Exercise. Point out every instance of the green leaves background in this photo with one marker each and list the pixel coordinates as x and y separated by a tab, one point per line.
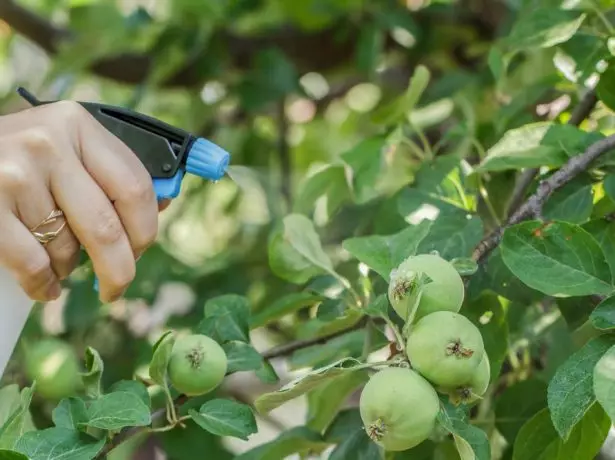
360	133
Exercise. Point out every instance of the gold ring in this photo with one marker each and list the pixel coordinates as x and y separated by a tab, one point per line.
47	237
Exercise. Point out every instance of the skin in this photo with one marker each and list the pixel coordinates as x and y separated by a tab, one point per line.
57	156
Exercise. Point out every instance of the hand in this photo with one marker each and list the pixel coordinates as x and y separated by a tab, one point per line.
58	157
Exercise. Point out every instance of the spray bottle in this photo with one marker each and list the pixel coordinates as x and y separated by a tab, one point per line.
167	152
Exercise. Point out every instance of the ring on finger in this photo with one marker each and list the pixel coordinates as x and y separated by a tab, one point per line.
46	237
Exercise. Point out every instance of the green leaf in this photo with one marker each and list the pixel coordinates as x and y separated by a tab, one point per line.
284	306
379	307
59	443
578	58
70	413
604	382
286	262
488	314
517	404
384	253
604	233
536	144
538	440
494	275
296	440
325	401
267	373
346	422
571	390
603	316
300	233
242	356
394	111
433	172
366	161
10	401
558	259
295	252
369	48
472	442
543	27
269	401
224	417
273	76
572	203
11	455
182	443
115	411
160	358
94	370
609	185
135	387
357	446
330	182
229	315
605	89
452	236
82	306
19	422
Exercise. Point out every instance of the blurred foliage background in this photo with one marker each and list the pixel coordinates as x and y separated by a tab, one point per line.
287	87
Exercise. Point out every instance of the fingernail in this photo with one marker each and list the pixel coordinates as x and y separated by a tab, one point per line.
115	297
55	290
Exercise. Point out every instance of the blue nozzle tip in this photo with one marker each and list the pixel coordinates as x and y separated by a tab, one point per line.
207	160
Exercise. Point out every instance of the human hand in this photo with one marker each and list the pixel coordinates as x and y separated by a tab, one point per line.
58	157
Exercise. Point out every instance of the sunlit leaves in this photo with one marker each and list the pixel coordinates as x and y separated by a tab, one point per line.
558	259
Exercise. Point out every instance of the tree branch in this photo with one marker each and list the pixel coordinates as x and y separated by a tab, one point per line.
289	348
276	352
580	113
532	208
305	48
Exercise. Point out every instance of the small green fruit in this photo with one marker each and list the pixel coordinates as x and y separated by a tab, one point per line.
475	388
445	291
197	365
445	348
54	365
398	408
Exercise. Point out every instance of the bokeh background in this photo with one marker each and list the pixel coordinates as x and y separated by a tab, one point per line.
286	86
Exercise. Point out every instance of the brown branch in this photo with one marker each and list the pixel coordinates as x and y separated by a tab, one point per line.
532	208
580	113
305	48
289	348
276	352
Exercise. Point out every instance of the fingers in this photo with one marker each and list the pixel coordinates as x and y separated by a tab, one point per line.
33	205
163	204
124	179
95	223
26	258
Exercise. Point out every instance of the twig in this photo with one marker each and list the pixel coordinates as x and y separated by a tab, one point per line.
157	417
580	113
533	206
283	350
288	348
305	48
